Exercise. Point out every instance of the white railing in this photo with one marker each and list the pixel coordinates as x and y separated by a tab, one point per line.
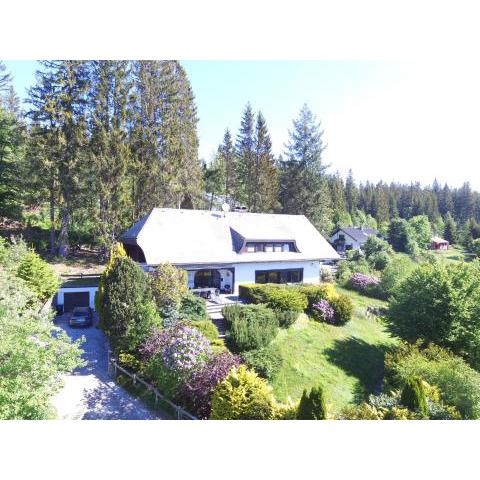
180	413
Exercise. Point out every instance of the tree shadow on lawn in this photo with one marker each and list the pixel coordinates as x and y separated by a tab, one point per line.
362	360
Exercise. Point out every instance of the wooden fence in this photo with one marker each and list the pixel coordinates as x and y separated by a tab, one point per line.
179	412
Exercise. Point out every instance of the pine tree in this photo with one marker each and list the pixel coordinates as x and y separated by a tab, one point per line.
264	186
109	149
227	162
312	406
5	79
214	178
303	184
413	396
450	231
245	151
351	193
59	100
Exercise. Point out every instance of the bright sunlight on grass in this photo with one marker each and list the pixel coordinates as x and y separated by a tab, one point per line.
347	361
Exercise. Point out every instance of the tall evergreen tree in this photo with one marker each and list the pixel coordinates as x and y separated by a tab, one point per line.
59	100
109	97
228	159
303	185
264	179
351	193
450	230
245	150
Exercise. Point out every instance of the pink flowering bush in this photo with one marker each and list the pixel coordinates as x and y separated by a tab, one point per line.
324	311
182	349
195	393
365	284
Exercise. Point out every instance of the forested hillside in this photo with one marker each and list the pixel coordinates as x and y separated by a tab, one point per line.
99	143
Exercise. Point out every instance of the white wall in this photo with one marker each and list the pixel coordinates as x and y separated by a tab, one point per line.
90	290
245	272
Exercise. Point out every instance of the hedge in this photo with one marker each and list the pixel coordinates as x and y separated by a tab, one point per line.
277	297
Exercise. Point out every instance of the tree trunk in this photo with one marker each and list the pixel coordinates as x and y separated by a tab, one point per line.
63	236
52	220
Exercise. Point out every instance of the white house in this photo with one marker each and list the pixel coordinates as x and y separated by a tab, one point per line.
351	238
225	249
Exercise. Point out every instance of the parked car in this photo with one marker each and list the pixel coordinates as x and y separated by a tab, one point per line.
81	317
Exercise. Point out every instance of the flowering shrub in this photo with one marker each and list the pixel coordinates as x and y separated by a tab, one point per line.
366	284
324	311
196	392
183	349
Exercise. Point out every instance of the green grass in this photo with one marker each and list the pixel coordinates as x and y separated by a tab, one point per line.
454	254
347	361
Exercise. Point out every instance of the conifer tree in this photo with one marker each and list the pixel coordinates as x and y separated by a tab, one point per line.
109	149
264	186
312	406
245	151
303	184
59	100
450	230
413	396
227	162
351	193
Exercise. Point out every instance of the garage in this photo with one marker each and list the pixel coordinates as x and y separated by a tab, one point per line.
75	299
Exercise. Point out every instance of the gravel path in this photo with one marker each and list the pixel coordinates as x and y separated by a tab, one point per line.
89	393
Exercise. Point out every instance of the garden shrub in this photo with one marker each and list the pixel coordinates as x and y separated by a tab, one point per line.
363	411
169	286
39	276
196	392
323	311
286	318
128	313
315	293
312	406
243	395
207	328
255	326
459	384
232	312
129	361
166	380
394	274
364	284
413	396
192	308
440	303
266	361
343	308
326	275
181	348
277	297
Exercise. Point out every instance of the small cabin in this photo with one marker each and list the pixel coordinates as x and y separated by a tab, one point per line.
439	244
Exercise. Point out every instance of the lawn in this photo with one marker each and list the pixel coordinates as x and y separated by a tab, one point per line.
347	361
454	254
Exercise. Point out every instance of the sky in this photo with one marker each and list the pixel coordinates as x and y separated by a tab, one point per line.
386	120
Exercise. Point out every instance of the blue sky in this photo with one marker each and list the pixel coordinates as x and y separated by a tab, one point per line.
403	121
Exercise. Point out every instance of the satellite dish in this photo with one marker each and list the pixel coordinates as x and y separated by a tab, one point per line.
225	207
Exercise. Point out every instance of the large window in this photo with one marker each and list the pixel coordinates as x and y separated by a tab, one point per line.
270	247
288	275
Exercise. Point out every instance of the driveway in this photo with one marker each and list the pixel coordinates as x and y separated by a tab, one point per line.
89	393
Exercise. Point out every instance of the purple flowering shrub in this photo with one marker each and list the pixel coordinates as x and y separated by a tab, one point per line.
324	311
195	393
181	348
366	284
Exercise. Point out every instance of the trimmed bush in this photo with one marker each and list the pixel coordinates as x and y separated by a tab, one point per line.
266	361
286	318
253	327
196	393
193	308
312	406
207	328
243	395
277	297
413	396
315	293
38	275
343	308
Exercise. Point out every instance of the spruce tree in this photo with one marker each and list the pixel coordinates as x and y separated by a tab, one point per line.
351	193
109	149
303	184
264	186
245	151
450	230
312	406
59	100
227	164
413	396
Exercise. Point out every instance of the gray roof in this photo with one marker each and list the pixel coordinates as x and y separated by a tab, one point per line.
203	236
359	234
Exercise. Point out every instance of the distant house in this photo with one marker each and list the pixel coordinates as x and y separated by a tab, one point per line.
225	249
351	238
439	244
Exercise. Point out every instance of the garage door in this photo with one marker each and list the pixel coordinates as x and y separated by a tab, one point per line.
75	299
